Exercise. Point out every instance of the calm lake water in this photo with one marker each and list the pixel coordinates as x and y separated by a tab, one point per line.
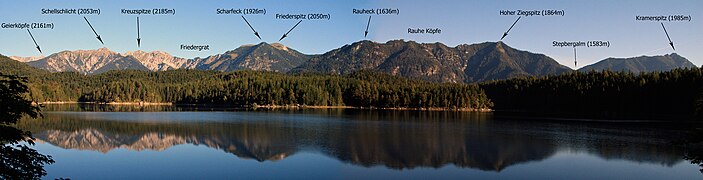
180	143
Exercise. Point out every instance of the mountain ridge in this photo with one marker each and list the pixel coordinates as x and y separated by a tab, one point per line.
87	61
641	63
26	59
159	60
435	62
263	56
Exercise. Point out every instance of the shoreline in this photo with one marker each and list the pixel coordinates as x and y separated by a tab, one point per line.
268	106
374	108
107	103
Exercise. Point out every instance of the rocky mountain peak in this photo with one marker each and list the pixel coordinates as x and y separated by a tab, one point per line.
158	60
98	52
26	59
87	61
280	46
152	53
675	55
500	47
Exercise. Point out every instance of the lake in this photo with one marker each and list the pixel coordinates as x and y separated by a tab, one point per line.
96	142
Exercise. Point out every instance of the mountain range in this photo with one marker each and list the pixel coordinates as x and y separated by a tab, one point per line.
435	62
427	61
87	61
264	57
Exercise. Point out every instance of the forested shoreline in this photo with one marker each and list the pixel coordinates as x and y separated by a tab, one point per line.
252	88
671	94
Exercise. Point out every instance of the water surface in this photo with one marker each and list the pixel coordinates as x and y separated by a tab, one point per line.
174	143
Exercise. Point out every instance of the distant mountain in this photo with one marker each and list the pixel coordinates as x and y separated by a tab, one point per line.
434	62
26	59
259	57
641	64
262	56
128	62
160	61
87	61
494	61
154	61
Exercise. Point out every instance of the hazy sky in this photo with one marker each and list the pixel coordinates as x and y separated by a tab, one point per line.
461	22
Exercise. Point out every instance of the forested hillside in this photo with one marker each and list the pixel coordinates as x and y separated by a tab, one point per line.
245	88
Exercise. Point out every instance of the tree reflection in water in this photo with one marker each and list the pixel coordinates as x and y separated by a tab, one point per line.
394	139
693	147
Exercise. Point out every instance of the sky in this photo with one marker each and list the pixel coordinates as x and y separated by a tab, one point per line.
461	22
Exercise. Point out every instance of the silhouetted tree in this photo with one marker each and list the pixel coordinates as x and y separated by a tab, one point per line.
18	160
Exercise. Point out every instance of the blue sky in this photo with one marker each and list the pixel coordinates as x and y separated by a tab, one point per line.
461	21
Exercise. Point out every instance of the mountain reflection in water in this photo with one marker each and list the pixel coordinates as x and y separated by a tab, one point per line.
394	139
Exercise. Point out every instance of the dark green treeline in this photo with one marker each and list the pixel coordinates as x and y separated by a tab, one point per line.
246	88
676	92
